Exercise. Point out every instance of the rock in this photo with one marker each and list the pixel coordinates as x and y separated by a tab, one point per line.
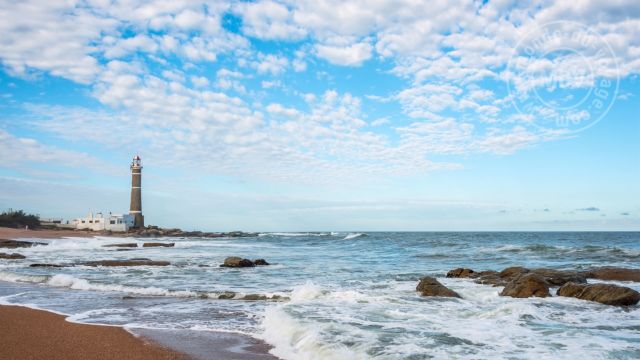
607	294
12	244
227	295
262	262
525	286
513	272
156	244
611	273
131	262
429	286
235	261
460	273
559	277
45	265
122	245
254	297
14	256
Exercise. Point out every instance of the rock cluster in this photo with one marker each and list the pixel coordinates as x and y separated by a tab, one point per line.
429	286
157	244
130	262
238	262
12	244
155	231
13	256
520	282
122	245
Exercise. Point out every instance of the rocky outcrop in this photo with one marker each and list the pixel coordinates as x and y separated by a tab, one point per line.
429	286
461	273
260	262
131	262
237	262
13	244
157	244
227	295
122	245
526	285
155	231
46	266
13	256
612	273
560	277
607	294
513	272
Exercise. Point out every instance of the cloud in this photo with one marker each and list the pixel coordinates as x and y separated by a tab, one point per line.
350	55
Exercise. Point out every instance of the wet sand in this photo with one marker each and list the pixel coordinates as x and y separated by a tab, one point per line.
11	233
34	334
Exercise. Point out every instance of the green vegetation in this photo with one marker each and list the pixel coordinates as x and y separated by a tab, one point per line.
18	219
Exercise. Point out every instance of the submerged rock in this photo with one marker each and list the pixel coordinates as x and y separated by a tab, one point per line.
12	244
235	261
261	262
525	286
123	245
156	244
46	265
14	256
607	294
513	272
429	286
131	262
461	273
227	295
254	297
612	273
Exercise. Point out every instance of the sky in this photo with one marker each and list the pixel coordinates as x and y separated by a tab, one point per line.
376	115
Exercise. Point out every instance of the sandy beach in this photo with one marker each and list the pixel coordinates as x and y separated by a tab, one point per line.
34	334
11	233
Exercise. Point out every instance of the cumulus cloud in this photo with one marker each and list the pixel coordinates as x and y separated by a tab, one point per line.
349	55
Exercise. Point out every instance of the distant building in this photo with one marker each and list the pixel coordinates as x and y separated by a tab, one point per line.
112	222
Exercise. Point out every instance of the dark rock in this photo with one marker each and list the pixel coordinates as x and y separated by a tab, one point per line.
227	295
254	297
526	286
122	245
235	261
513	272
429	286
612	273
156	244
260	262
460	273
603	293
14	256
559	277
12	244
131	262
489	277
46	265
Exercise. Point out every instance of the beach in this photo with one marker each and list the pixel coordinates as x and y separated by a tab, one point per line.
11	233
34	334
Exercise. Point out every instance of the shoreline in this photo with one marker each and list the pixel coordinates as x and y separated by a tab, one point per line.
31	333
13	234
27	333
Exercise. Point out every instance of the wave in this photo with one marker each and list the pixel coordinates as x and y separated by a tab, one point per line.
298	234
293	339
353	236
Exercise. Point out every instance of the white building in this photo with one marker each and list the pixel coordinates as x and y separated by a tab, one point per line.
112	222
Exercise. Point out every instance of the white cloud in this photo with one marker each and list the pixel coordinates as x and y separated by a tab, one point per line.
351	55
269	20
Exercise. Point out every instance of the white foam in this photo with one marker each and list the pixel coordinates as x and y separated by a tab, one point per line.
308	291
294	339
353	236
62	280
15	277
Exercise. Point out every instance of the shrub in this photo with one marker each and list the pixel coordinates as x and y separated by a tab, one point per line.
19	219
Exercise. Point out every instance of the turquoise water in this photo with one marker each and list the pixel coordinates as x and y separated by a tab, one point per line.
348	296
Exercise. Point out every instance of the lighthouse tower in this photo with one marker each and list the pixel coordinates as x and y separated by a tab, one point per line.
135	208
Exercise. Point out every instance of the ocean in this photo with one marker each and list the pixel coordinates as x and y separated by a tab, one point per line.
343	295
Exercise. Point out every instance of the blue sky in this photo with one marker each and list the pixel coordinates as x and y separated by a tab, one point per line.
325	115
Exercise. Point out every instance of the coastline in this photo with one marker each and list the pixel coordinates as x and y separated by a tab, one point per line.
11	233
27	333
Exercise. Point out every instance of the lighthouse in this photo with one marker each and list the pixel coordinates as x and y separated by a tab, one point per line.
135	208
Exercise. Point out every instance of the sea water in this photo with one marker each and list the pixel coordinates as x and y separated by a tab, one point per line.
344	295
